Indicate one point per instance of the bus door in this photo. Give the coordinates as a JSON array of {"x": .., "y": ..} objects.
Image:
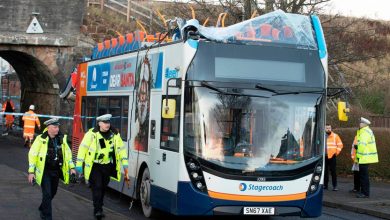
[{"x": 164, "y": 134}]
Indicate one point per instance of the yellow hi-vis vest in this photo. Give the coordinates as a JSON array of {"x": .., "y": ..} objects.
[
  {"x": 37, "y": 157},
  {"x": 366, "y": 152},
  {"x": 90, "y": 149}
]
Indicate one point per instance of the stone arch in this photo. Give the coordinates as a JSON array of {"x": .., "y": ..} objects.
[{"x": 39, "y": 85}]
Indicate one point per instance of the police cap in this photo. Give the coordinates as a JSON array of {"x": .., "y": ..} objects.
[
  {"x": 104, "y": 118},
  {"x": 365, "y": 121},
  {"x": 52, "y": 121}
]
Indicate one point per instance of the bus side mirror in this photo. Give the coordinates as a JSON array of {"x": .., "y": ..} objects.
[
  {"x": 168, "y": 108},
  {"x": 342, "y": 111}
]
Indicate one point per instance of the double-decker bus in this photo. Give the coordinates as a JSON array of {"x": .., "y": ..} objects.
[{"x": 219, "y": 121}]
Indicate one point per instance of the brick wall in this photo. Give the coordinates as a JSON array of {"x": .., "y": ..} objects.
[{"x": 55, "y": 16}]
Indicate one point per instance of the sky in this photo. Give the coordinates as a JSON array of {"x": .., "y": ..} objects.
[{"x": 374, "y": 9}]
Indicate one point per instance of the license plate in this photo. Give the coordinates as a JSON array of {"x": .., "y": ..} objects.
[{"x": 259, "y": 211}]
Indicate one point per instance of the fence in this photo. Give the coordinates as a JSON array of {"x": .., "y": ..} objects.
[
  {"x": 380, "y": 121},
  {"x": 131, "y": 9}
]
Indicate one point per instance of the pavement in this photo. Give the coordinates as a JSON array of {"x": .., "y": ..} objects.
[
  {"x": 20, "y": 200},
  {"x": 378, "y": 204}
]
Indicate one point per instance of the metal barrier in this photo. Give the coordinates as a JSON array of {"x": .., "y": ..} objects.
[{"x": 131, "y": 10}]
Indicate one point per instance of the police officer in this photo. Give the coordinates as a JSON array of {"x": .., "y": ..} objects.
[
  {"x": 50, "y": 159},
  {"x": 366, "y": 154},
  {"x": 102, "y": 152}
]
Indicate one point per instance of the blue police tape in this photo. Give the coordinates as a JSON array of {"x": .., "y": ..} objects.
[
  {"x": 49, "y": 116},
  {"x": 39, "y": 115}
]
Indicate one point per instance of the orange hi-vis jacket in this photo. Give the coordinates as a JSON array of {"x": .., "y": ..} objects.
[
  {"x": 30, "y": 119},
  {"x": 9, "y": 119},
  {"x": 5, "y": 105},
  {"x": 334, "y": 144}
]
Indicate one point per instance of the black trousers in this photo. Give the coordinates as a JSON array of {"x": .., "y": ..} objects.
[
  {"x": 330, "y": 164},
  {"x": 99, "y": 179},
  {"x": 49, "y": 187},
  {"x": 356, "y": 181},
  {"x": 364, "y": 179}
]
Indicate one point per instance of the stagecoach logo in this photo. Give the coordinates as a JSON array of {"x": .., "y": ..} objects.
[
  {"x": 259, "y": 188},
  {"x": 242, "y": 187}
]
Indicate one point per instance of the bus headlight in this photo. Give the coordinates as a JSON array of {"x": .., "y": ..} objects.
[
  {"x": 199, "y": 185},
  {"x": 195, "y": 173},
  {"x": 196, "y": 176},
  {"x": 192, "y": 166},
  {"x": 316, "y": 178}
]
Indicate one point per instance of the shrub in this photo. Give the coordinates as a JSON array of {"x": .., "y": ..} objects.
[{"x": 379, "y": 170}]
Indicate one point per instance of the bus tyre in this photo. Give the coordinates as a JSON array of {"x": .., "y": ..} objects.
[{"x": 144, "y": 193}]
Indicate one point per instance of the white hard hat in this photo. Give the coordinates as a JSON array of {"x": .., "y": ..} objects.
[{"x": 32, "y": 107}]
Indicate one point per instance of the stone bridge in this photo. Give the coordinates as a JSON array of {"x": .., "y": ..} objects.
[{"x": 44, "y": 54}]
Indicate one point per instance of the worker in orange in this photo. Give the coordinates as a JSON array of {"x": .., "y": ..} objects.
[
  {"x": 30, "y": 119},
  {"x": 332, "y": 149},
  {"x": 8, "y": 106}
]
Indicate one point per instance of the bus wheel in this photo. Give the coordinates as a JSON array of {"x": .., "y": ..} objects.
[{"x": 145, "y": 194}]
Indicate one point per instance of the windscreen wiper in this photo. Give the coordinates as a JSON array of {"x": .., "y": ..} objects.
[
  {"x": 209, "y": 86},
  {"x": 261, "y": 87},
  {"x": 299, "y": 92}
]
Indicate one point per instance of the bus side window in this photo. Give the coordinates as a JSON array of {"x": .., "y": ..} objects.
[{"x": 170, "y": 129}]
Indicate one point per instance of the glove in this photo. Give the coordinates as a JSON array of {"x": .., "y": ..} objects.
[
  {"x": 355, "y": 146},
  {"x": 79, "y": 170}
]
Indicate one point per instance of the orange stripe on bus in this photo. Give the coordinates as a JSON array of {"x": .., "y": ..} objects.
[{"x": 280, "y": 198}]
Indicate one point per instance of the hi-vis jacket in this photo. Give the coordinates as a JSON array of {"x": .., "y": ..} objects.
[
  {"x": 334, "y": 144},
  {"x": 90, "y": 148},
  {"x": 30, "y": 119},
  {"x": 37, "y": 157},
  {"x": 366, "y": 152}
]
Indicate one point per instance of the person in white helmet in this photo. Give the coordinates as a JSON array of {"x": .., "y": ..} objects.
[{"x": 30, "y": 119}]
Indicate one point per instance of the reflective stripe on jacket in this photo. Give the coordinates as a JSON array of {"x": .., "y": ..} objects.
[
  {"x": 90, "y": 147},
  {"x": 334, "y": 144},
  {"x": 366, "y": 152},
  {"x": 37, "y": 157},
  {"x": 30, "y": 119}
]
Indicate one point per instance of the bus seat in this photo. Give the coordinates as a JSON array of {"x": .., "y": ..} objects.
[
  {"x": 265, "y": 31},
  {"x": 150, "y": 38},
  {"x": 107, "y": 46},
  {"x": 129, "y": 42},
  {"x": 100, "y": 48},
  {"x": 139, "y": 37},
  {"x": 275, "y": 34},
  {"x": 121, "y": 44},
  {"x": 94, "y": 52},
  {"x": 114, "y": 46},
  {"x": 287, "y": 33},
  {"x": 157, "y": 36},
  {"x": 250, "y": 32}
]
